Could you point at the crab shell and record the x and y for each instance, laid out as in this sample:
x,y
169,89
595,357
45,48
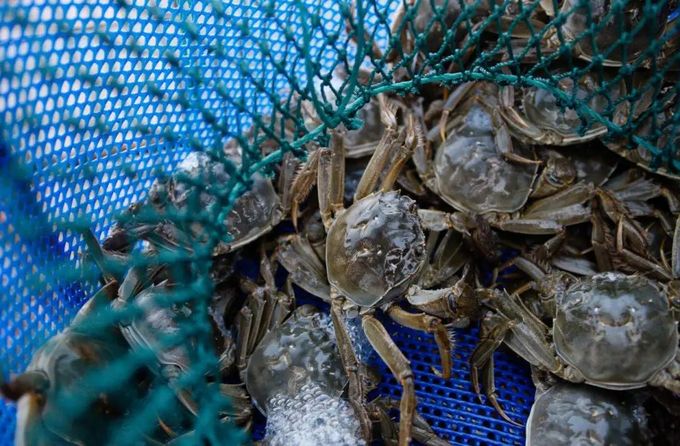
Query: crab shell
x,y
300,351
469,171
375,249
66,360
255,212
641,155
617,330
158,321
581,15
538,118
568,414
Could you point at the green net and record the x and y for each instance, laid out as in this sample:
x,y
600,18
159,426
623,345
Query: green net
x,y
108,97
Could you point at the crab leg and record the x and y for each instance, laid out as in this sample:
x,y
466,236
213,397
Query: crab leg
x,y
298,257
490,390
240,406
576,194
447,259
331,178
434,220
600,236
390,141
33,381
244,324
289,167
414,138
649,267
284,304
421,430
675,251
451,103
493,333
529,334
429,324
669,377
111,265
302,184
357,393
337,177
529,226
400,368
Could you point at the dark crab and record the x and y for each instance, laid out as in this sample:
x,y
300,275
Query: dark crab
x,y
580,16
255,212
158,311
59,370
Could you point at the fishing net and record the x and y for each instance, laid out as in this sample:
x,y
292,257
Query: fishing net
x,y
102,100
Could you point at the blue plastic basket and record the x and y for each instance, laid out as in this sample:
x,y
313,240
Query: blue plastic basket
x,y
51,117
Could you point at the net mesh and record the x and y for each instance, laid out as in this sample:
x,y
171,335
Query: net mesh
x,y
100,99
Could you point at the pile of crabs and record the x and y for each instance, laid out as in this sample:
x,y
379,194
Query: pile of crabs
x,y
476,205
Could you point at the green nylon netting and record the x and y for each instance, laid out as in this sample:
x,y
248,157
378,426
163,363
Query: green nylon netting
x,y
169,58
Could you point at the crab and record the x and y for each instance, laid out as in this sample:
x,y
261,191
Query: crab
x,y
255,212
162,319
535,116
155,314
609,330
646,122
60,370
605,40
375,252
567,414
479,171
297,362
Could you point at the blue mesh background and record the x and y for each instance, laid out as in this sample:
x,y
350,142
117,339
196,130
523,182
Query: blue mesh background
x,y
96,98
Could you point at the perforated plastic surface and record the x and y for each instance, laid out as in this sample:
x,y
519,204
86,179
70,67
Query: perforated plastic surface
x,y
92,106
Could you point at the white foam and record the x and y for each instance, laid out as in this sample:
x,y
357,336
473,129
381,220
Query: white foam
x,y
311,418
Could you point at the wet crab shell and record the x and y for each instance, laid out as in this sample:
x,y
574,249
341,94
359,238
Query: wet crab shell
x,y
470,170
535,115
632,18
300,351
617,330
376,248
159,320
569,414
255,212
67,360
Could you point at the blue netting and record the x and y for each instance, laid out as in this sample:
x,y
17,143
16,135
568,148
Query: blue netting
x,y
91,110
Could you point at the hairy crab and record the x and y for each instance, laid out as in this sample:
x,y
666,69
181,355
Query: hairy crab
x,y
603,40
568,414
477,169
59,370
610,330
375,252
535,115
